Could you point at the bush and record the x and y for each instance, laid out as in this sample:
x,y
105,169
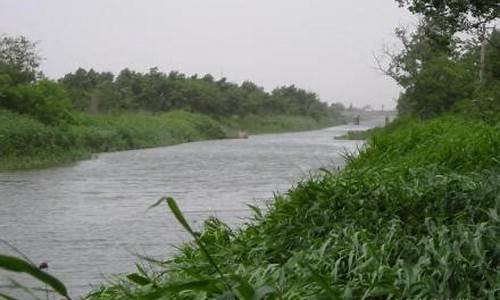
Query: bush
x,y
484,105
45,100
438,86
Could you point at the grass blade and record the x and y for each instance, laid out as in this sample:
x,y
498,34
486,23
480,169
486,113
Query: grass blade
x,y
18,265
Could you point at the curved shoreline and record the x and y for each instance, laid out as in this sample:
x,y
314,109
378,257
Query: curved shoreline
x,y
29,144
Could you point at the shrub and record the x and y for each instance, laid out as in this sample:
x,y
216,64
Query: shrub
x,y
44,100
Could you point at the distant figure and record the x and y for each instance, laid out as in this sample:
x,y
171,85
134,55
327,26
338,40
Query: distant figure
x,y
357,120
386,120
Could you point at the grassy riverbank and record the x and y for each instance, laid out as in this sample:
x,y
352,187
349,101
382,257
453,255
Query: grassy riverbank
x,y
415,215
277,124
356,135
28,143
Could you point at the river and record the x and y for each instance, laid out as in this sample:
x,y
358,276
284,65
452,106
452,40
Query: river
x,y
89,220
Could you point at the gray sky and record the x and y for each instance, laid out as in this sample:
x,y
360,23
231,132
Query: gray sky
x,y
324,46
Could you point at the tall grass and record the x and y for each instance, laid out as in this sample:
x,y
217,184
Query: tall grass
x,y
416,215
255,124
28,143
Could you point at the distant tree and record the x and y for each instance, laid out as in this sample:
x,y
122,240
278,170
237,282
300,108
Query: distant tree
x,y
45,100
156,91
208,78
19,60
338,106
81,88
22,86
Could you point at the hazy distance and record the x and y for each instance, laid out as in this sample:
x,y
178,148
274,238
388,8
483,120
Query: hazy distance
x,y
321,45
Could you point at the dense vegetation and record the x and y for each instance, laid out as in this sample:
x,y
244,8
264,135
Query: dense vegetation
x,y
156,91
28,143
415,215
44,122
441,72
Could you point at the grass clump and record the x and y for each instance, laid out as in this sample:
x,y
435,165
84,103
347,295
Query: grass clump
x,y
416,215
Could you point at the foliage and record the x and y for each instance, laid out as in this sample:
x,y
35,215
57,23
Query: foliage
x,y
484,103
20,89
429,40
19,60
18,265
255,124
439,72
459,14
357,134
492,56
44,100
437,87
26,142
156,91
416,215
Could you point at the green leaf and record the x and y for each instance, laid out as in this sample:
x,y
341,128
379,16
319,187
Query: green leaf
x,y
256,210
323,283
263,291
138,279
6,297
178,215
180,218
196,285
15,264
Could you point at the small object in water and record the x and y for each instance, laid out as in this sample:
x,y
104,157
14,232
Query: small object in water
x,y
242,135
43,265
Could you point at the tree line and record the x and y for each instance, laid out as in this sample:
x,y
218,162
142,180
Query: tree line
x,y
25,89
156,91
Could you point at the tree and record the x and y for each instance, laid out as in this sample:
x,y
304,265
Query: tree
x,y
19,60
440,84
431,39
81,87
459,14
492,57
45,100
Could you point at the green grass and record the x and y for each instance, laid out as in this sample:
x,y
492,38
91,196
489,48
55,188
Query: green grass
x,y
27,143
416,215
356,135
277,124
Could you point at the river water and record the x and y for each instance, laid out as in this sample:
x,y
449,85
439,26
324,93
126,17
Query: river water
x,y
90,219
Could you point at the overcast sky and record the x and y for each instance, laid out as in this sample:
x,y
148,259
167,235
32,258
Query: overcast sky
x,y
324,46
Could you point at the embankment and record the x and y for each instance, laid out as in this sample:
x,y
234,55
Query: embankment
x,y
415,215
27,143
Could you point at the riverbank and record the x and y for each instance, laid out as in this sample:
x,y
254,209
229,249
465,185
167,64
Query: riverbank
x,y
415,215
27,143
